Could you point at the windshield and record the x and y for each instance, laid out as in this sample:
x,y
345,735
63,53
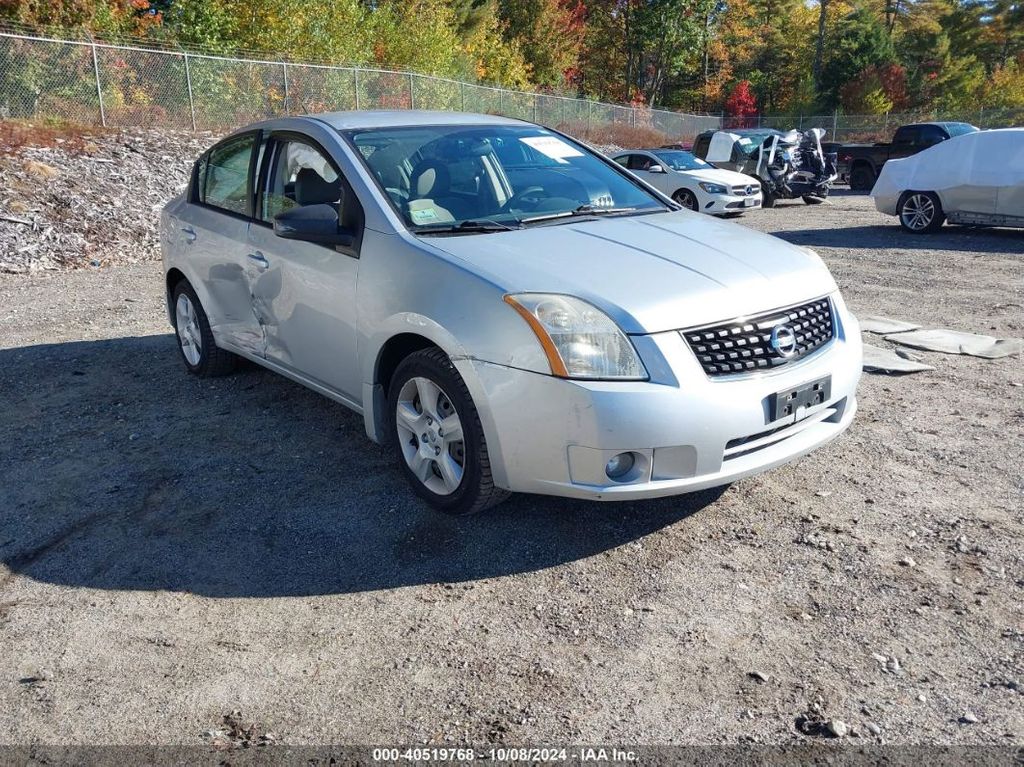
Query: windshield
x,y
679,160
750,142
959,129
444,177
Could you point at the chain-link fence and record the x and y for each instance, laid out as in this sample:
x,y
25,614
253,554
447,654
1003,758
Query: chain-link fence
x,y
126,86
851,128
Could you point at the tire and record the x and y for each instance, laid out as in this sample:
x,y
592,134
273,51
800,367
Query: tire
x,y
419,441
862,178
199,352
687,199
920,212
767,199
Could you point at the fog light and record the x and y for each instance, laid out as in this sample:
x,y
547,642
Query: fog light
x,y
619,466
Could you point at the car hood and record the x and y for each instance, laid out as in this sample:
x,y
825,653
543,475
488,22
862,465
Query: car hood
x,y
719,176
650,273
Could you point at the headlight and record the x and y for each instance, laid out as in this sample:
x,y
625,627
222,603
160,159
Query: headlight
x,y
712,188
579,340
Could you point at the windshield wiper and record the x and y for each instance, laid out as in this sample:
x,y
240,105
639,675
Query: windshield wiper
x,y
482,225
587,209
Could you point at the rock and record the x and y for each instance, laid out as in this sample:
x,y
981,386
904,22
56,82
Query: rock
x,y
968,718
879,657
873,728
837,728
758,676
893,665
908,562
823,493
922,698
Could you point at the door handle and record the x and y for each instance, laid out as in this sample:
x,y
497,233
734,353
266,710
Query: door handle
x,y
260,259
190,233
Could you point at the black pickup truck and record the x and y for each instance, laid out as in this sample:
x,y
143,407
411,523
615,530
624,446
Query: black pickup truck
x,y
860,164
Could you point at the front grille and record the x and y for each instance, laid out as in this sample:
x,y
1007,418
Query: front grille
x,y
745,345
745,191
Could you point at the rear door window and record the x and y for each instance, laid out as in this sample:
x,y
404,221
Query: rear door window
x,y
225,175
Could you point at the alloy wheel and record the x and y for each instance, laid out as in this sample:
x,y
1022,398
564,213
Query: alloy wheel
x,y
430,435
918,212
686,198
189,334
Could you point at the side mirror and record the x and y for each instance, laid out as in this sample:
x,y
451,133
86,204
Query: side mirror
x,y
655,169
313,223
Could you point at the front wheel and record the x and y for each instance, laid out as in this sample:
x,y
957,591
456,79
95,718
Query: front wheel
x,y
438,439
687,199
920,212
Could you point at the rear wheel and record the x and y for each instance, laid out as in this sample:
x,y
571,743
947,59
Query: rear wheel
x,y
438,439
862,178
201,355
686,198
920,212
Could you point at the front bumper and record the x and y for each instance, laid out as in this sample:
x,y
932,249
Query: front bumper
x,y
689,432
727,203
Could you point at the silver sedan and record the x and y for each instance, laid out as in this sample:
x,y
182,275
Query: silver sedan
x,y
510,310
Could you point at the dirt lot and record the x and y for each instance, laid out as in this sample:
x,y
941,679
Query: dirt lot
x,y
176,549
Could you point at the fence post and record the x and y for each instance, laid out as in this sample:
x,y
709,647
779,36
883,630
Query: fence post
x,y
981,117
287,98
535,97
355,79
412,95
188,82
835,125
801,121
99,88
463,90
590,109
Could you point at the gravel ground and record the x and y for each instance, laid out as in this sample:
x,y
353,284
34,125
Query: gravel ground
x,y
174,550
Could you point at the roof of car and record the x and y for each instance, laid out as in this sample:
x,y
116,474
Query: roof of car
x,y
407,117
940,123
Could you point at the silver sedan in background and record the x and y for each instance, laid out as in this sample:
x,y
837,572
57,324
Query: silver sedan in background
x,y
508,309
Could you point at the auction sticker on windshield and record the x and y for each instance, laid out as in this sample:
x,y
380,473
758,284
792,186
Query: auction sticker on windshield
x,y
552,146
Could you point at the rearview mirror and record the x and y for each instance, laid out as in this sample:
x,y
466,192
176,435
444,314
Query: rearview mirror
x,y
655,169
313,223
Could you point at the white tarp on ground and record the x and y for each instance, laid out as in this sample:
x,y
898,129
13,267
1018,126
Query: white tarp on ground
x,y
883,325
886,361
957,342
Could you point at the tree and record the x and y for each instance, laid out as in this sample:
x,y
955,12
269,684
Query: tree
x,y
549,34
741,105
876,90
861,42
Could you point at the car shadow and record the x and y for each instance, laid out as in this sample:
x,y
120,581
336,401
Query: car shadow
x,y
122,472
951,238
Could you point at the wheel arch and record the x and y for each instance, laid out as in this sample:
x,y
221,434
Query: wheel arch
x,y
401,336
172,279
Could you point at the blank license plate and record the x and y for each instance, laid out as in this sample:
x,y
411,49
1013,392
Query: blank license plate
x,y
788,402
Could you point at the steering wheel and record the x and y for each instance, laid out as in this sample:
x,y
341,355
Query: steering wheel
x,y
526,199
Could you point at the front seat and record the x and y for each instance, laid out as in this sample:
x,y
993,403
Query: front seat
x,y
313,189
432,181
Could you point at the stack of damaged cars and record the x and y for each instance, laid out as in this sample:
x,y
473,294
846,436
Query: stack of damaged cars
x,y
789,165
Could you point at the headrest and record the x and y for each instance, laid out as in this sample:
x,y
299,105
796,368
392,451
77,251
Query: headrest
x,y
431,179
312,189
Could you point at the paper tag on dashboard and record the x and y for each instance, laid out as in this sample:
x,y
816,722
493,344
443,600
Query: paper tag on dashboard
x,y
552,147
